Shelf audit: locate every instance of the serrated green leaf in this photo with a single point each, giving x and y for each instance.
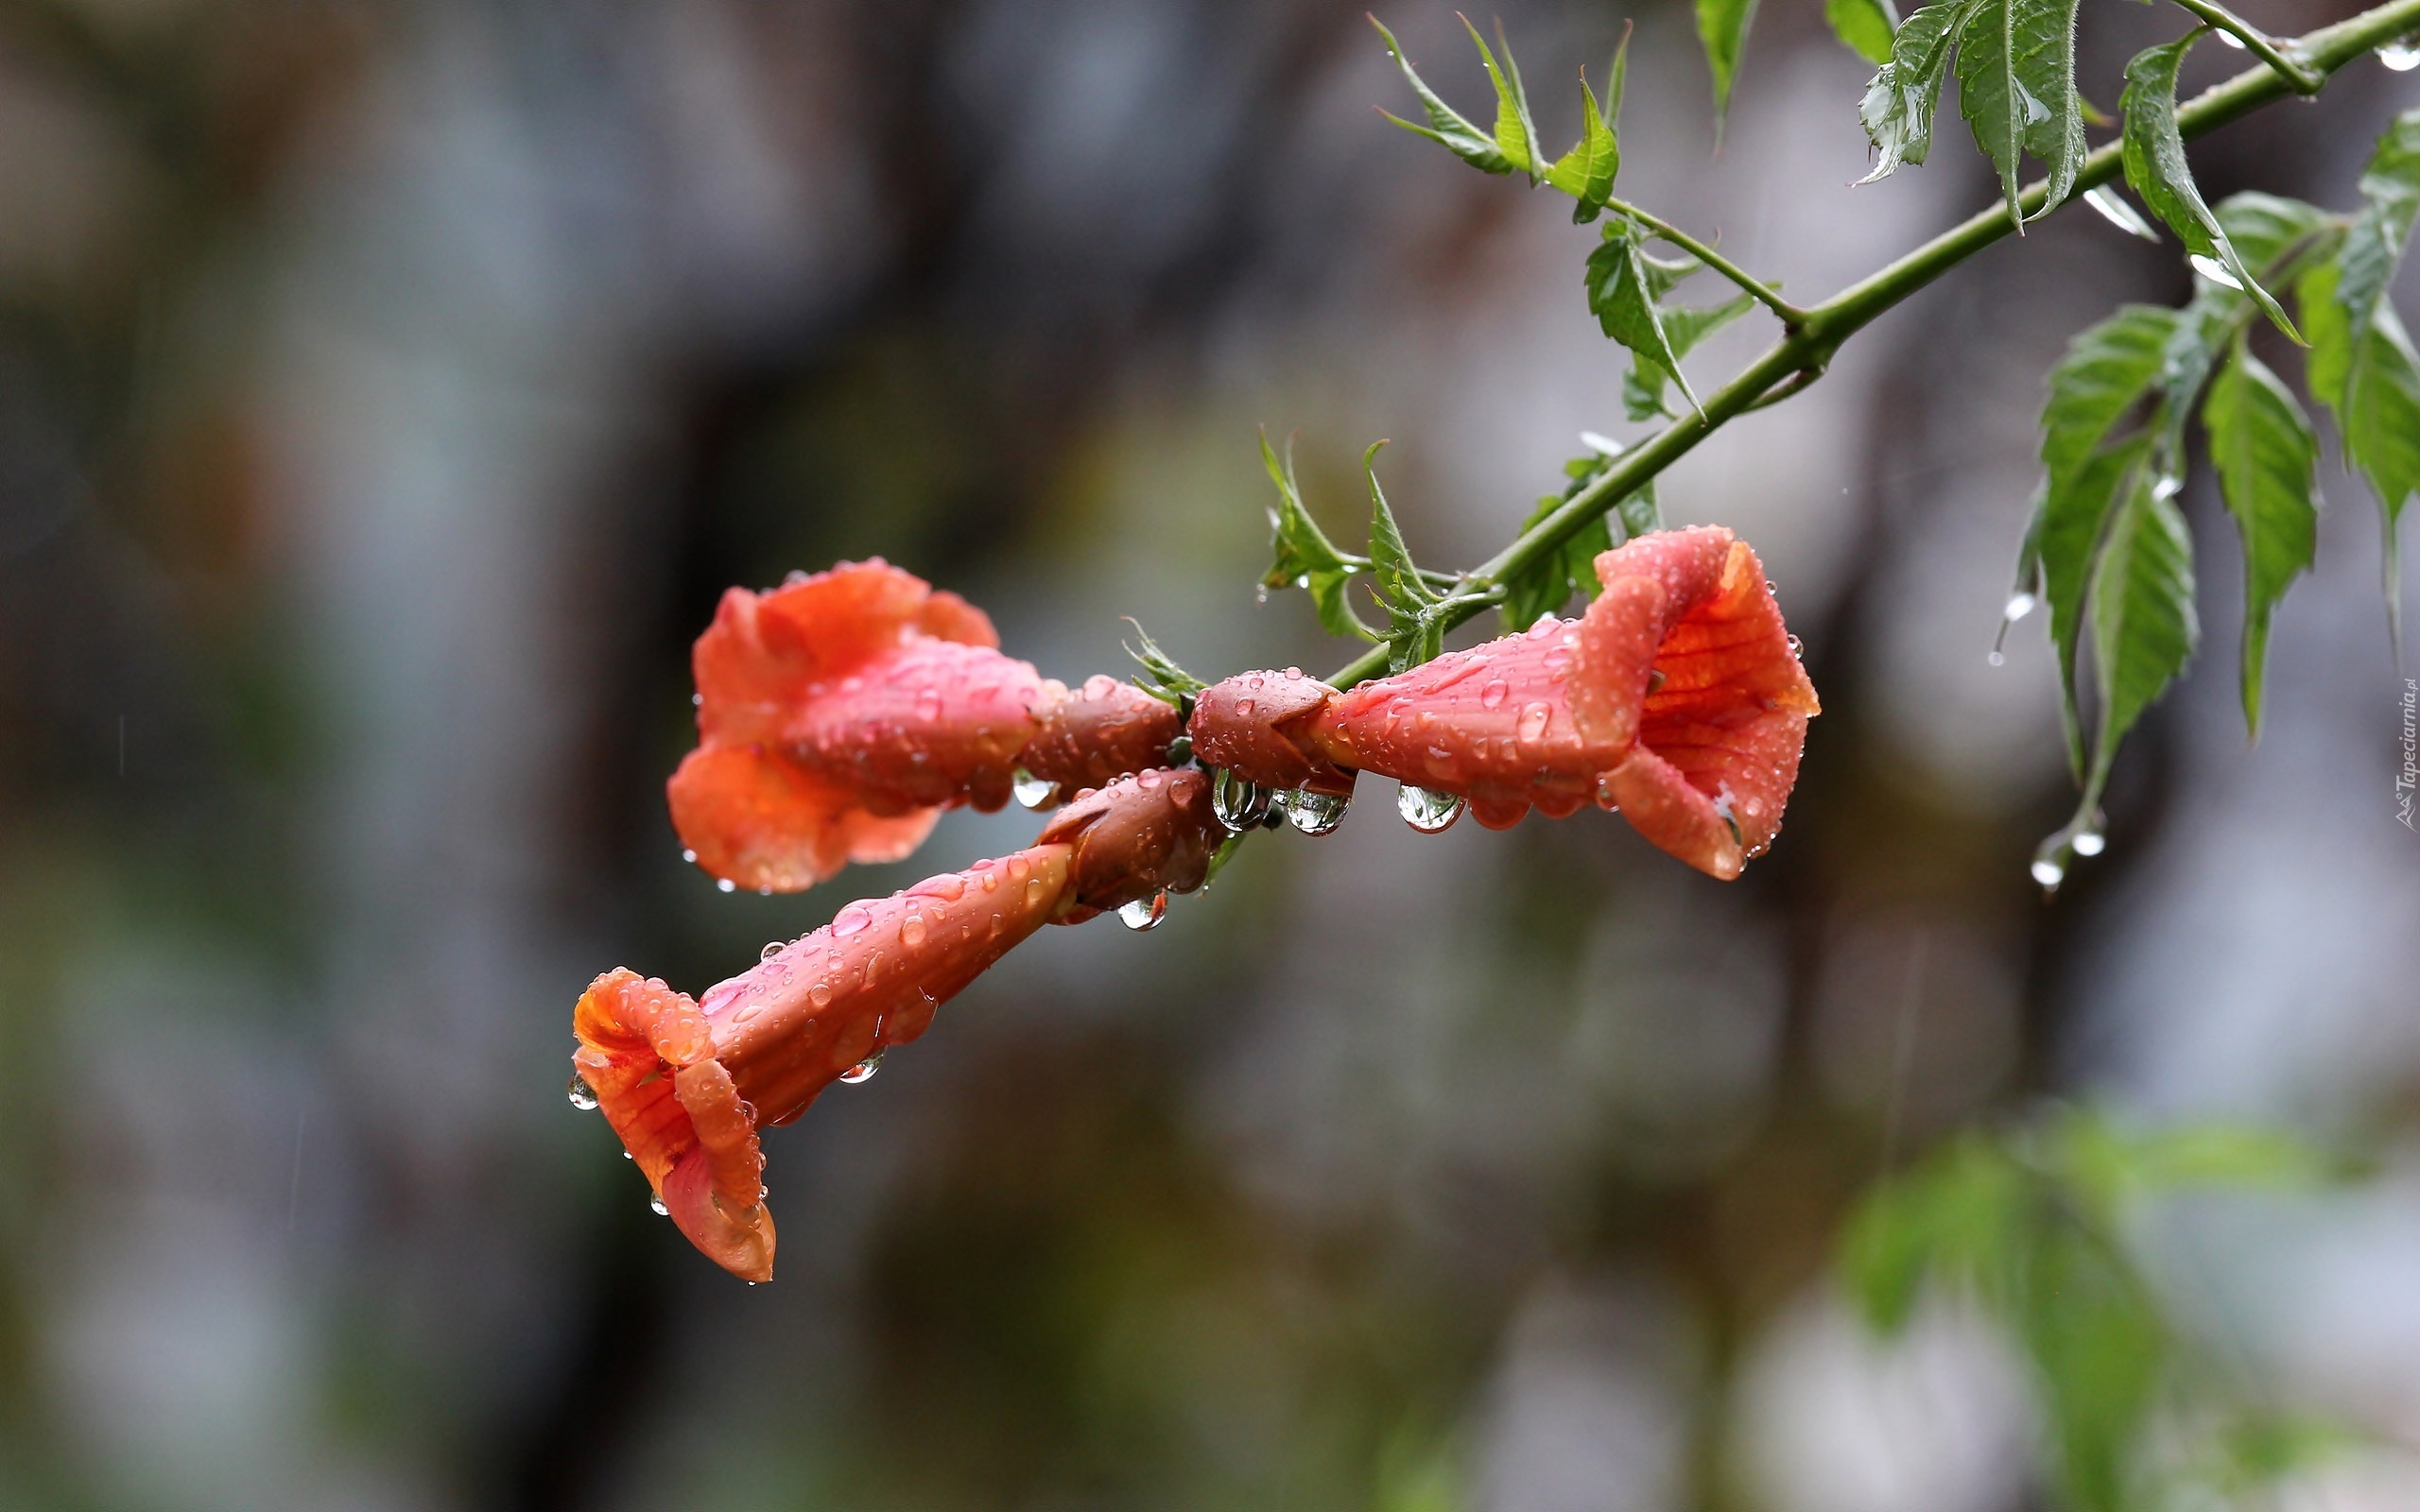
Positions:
(1624, 284)
(2016, 87)
(1303, 556)
(1414, 633)
(2156, 167)
(1447, 126)
(2373, 389)
(2099, 1351)
(2141, 611)
(2374, 244)
(1865, 26)
(1586, 172)
(1684, 326)
(1551, 582)
(1899, 103)
(2270, 232)
(1722, 27)
(1517, 133)
(2267, 459)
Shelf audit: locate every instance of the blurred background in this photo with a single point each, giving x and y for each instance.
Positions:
(388, 391)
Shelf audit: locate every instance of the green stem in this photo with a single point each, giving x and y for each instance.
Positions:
(1806, 348)
(2302, 79)
(1790, 313)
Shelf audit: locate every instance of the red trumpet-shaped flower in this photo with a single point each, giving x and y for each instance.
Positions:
(840, 714)
(689, 1083)
(1677, 698)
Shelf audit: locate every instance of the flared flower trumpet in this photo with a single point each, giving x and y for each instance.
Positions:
(689, 1083)
(1677, 698)
(840, 714)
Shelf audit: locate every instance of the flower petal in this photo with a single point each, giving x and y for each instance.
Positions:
(760, 820)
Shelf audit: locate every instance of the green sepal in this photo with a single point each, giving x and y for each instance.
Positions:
(1303, 556)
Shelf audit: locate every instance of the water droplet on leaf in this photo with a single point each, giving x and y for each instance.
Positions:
(2215, 272)
(2120, 214)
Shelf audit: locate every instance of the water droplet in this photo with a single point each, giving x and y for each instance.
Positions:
(2120, 214)
(696, 700)
(1602, 445)
(990, 880)
(583, 1097)
(851, 921)
(1239, 805)
(772, 948)
(1492, 695)
(2229, 38)
(2089, 843)
(863, 1070)
(928, 705)
(1430, 812)
(690, 856)
(911, 931)
(1797, 649)
(655, 1205)
(2019, 605)
(820, 994)
(2168, 486)
(2215, 272)
(1144, 913)
(2403, 57)
(1534, 719)
(1261, 594)
(725, 885)
(1315, 813)
(2049, 874)
(1997, 658)
(1034, 890)
(1244, 708)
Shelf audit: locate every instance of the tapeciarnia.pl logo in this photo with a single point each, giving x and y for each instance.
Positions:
(2408, 777)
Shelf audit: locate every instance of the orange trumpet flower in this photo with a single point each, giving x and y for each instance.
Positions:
(840, 714)
(1677, 698)
(689, 1083)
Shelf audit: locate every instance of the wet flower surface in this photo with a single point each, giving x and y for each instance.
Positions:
(1677, 698)
(688, 1084)
(840, 714)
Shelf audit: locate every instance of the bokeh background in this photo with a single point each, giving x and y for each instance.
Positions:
(387, 390)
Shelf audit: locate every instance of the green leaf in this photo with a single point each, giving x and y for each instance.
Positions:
(1722, 27)
(1586, 172)
(2100, 1349)
(1624, 284)
(1406, 595)
(2373, 389)
(1446, 125)
(1952, 1219)
(2267, 459)
(2156, 166)
(1899, 103)
(1570, 569)
(2107, 372)
(1865, 26)
(1684, 326)
(2374, 244)
(2143, 625)
(1639, 514)
(1517, 133)
(2271, 233)
(2017, 86)
(1303, 556)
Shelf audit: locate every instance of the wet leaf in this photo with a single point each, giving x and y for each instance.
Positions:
(1899, 103)
(2142, 620)
(1446, 125)
(2099, 1349)
(2156, 166)
(2372, 387)
(1569, 570)
(2267, 457)
(1722, 27)
(1865, 26)
(1517, 133)
(1624, 286)
(1586, 172)
(1683, 328)
(2374, 244)
(1303, 556)
(2017, 86)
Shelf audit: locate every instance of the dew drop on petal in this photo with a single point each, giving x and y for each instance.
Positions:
(1428, 811)
(851, 921)
(1142, 913)
(772, 948)
(1492, 695)
(863, 1070)
(583, 1097)
(690, 856)
(928, 705)
(1535, 717)
(1033, 792)
(655, 1205)
(820, 994)
(1315, 813)
(1034, 889)
(911, 931)
(725, 885)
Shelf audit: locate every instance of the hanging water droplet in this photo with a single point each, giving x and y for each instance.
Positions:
(1033, 792)
(1430, 812)
(863, 1070)
(655, 1205)
(2120, 214)
(583, 1097)
(1144, 913)
(2089, 843)
(1261, 594)
(2403, 57)
(1797, 649)
(2019, 605)
(1997, 658)
(2215, 272)
(1602, 445)
(1239, 805)
(1315, 813)
(2229, 38)
(2168, 486)
(690, 856)
(725, 885)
